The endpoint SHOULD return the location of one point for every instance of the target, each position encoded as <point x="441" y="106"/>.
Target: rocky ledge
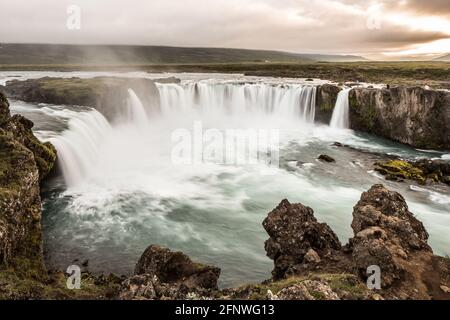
<point x="106" y="94"/>
<point x="411" y="115"/>
<point x="310" y="263"/>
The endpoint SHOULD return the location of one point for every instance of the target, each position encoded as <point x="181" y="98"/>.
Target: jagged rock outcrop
<point x="296" y="237"/>
<point x="162" y="273"/>
<point x="24" y="162"/>
<point x="410" y="115"/>
<point x="386" y="235"/>
<point x="108" y="95"/>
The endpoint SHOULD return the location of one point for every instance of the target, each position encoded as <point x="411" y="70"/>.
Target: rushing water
<point x="340" y="118"/>
<point x="119" y="189"/>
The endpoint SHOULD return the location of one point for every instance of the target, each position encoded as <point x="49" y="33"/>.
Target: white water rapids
<point x="121" y="191"/>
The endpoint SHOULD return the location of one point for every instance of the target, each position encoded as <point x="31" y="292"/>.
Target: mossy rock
<point x="400" y="169"/>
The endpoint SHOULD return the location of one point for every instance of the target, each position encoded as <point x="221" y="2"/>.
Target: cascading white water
<point x="136" y="110"/>
<point x="231" y="98"/>
<point x="78" y="147"/>
<point x="340" y="118"/>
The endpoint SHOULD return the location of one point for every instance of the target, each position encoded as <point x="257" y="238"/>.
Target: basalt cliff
<point x="411" y="115"/>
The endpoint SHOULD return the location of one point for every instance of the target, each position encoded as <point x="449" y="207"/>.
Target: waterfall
<point x="136" y="110"/>
<point x="340" y="118"/>
<point x="78" y="147"/>
<point x="233" y="98"/>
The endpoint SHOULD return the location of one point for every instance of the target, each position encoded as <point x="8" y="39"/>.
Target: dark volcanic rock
<point x="326" y="158"/>
<point x="386" y="235"/>
<point x="411" y="115"/>
<point x="176" y="267"/>
<point x="294" y="231"/>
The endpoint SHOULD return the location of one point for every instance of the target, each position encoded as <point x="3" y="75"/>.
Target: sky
<point x="378" y="29"/>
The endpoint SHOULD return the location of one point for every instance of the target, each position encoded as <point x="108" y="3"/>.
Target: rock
<point x="326" y="97"/>
<point x="326" y="158"/>
<point x="337" y="144"/>
<point x="271" y="296"/>
<point x="312" y="257"/>
<point x="138" y="287"/>
<point x="176" y="267"/>
<point x="386" y="234"/>
<point x="308" y="290"/>
<point x="410" y="115"/>
<point x="293" y="231"/>
<point x="423" y="171"/>
<point x="445" y="289"/>
<point x="24" y="162"/>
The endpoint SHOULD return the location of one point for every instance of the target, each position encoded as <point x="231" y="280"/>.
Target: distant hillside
<point x="115" y="54"/>
<point x="443" y="58"/>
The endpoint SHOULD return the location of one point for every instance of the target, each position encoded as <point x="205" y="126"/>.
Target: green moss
<point x="401" y="169"/>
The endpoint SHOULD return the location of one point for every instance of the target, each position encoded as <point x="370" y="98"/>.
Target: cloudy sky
<point x="386" y="29"/>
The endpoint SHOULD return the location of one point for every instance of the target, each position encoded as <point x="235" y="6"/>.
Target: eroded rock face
<point x="24" y="161"/>
<point x="386" y="234"/>
<point x="411" y="115"/>
<point x="296" y="237"/>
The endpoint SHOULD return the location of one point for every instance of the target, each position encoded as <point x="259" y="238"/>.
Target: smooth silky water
<point x="118" y="190"/>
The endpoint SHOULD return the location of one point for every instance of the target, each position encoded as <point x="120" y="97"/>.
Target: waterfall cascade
<point x="231" y="98"/>
<point x="340" y="118"/>
<point x="136" y="111"/>
<point x="78" y="147"/>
